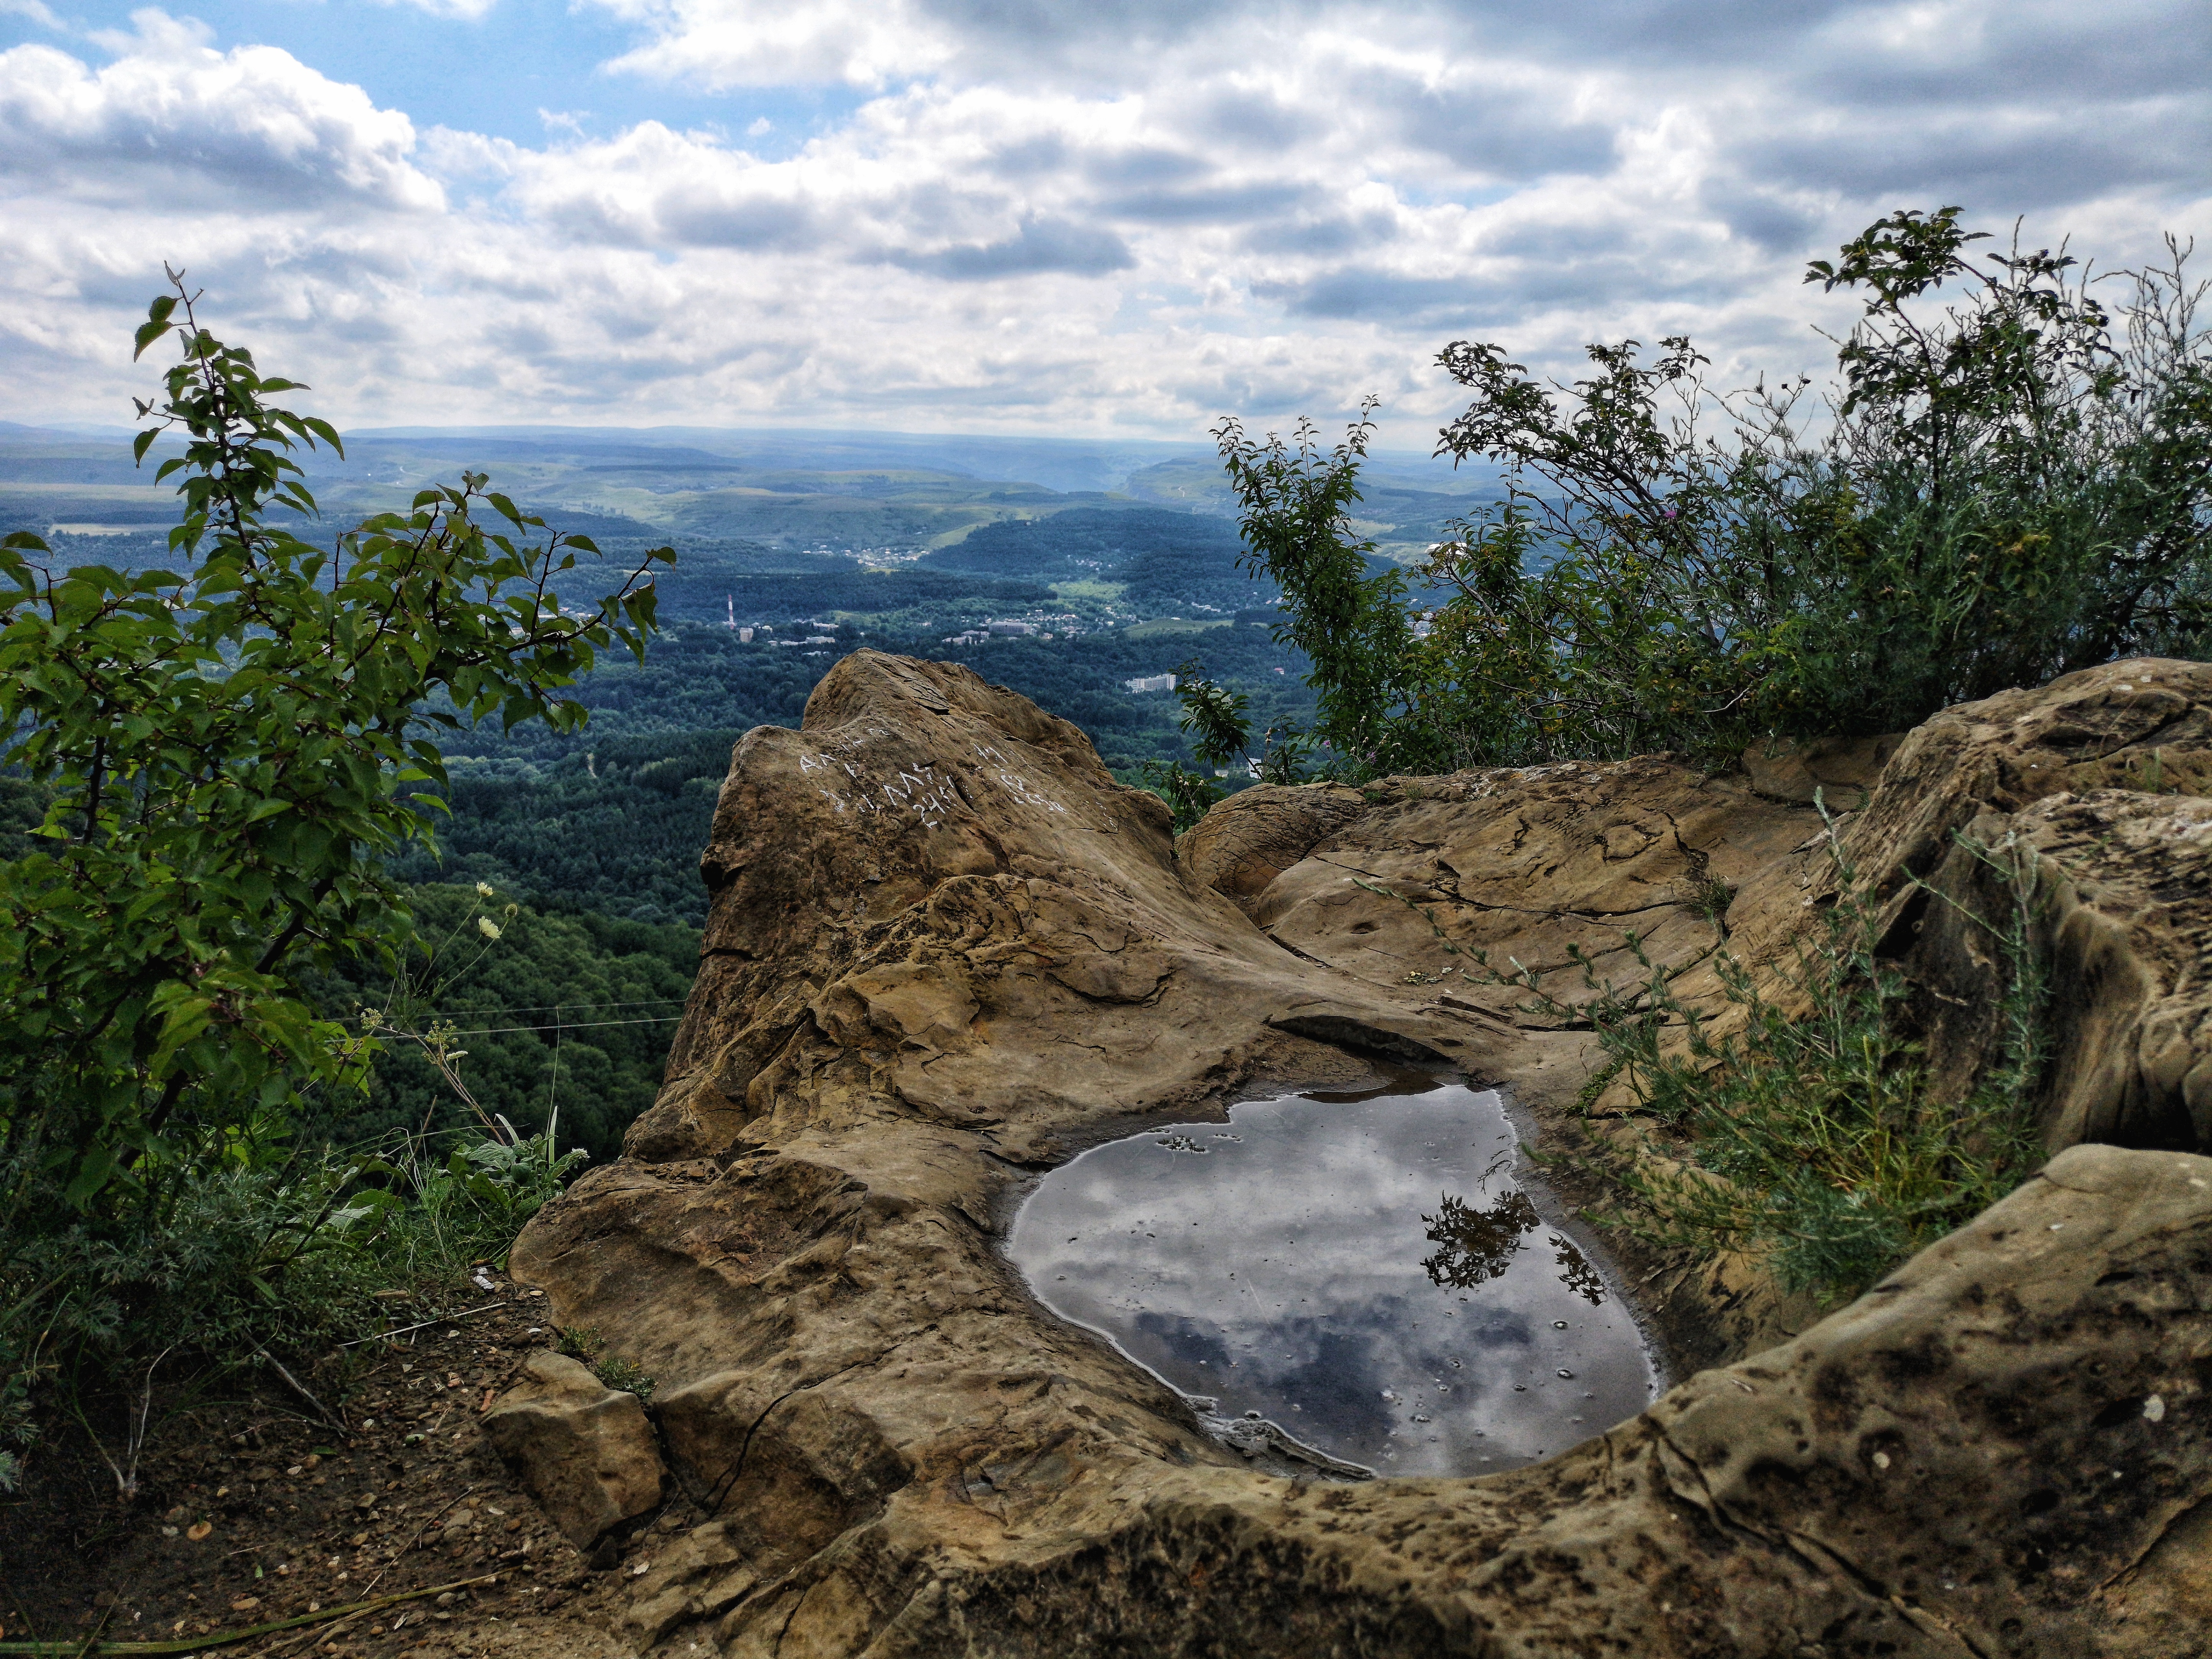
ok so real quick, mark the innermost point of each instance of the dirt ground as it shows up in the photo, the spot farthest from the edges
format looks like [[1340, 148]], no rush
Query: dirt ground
[[253, 1507]]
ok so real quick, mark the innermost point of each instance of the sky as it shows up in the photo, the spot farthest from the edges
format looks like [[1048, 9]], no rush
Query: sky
[[1034, 216]]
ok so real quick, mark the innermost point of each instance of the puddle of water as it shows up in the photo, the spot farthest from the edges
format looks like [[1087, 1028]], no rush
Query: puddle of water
[[1362, 1271]]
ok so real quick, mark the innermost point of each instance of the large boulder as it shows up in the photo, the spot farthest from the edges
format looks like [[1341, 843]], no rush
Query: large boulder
[[945, 948], [585, 1450], [933, 906], [1239, 847]]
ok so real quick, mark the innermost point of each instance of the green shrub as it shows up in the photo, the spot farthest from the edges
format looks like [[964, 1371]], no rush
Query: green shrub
[[1994, 493], [1219, 722], [2009, 489], [223, 745], [1810, 1137], [207, 769], [255, 1260], [437, 1213], [1348, 618]]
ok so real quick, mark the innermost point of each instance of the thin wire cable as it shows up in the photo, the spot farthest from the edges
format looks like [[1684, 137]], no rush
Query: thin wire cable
[[553, 1085], [555, 1008], [569, 1026]]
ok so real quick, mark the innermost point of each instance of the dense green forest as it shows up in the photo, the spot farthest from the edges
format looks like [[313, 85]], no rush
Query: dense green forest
[[566, 1014]]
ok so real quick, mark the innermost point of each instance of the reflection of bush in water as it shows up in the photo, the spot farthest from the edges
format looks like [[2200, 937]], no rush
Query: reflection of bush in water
[[1577, 1274], [1479, 1244]]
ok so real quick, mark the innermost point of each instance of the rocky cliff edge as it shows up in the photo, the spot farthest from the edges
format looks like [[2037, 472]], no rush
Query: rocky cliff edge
[[945, 950]]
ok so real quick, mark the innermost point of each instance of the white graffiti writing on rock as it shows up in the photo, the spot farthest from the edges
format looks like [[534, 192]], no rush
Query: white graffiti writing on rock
[[849, 785]]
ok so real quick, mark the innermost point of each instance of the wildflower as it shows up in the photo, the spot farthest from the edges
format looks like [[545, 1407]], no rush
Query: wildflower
[[483, 890], [487, 926]]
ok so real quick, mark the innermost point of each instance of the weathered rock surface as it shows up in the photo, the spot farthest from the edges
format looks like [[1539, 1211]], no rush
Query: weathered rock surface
[[2075, 810], [2113, 892], [585, 1450], [944, 945], [935, 913], [1520, 866], [1247, 841], [1980, 1457], [1838, 773]]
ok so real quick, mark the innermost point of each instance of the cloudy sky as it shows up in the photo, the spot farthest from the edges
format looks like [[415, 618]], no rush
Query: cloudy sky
[[1033, 216]]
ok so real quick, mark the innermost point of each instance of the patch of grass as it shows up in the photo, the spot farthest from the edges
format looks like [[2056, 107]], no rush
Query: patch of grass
[[618, 1373], [584, 1343], [251, 1264], [1814, 1141]]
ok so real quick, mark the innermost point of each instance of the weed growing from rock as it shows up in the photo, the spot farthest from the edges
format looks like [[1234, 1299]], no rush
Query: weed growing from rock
[[584, 1343], [1811, 1138]]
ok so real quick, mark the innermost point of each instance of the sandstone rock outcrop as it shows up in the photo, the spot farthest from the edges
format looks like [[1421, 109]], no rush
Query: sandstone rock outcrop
[[2072, 810], [945, 947], [1985, 1455], [934, 907], [1839, 774], [585, 1450]]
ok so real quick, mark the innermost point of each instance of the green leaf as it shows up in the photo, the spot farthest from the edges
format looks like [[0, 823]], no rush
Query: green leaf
[[92, 1174], [155, 326]]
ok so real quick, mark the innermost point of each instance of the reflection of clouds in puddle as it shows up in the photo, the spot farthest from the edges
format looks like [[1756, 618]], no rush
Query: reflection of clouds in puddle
[[1329, 1373], [1285, 1274]]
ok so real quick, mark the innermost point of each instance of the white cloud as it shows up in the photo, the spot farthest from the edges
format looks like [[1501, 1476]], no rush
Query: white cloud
[[1182, 211], [756, 43], [36, 10], [465, 11], [172, 119]]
